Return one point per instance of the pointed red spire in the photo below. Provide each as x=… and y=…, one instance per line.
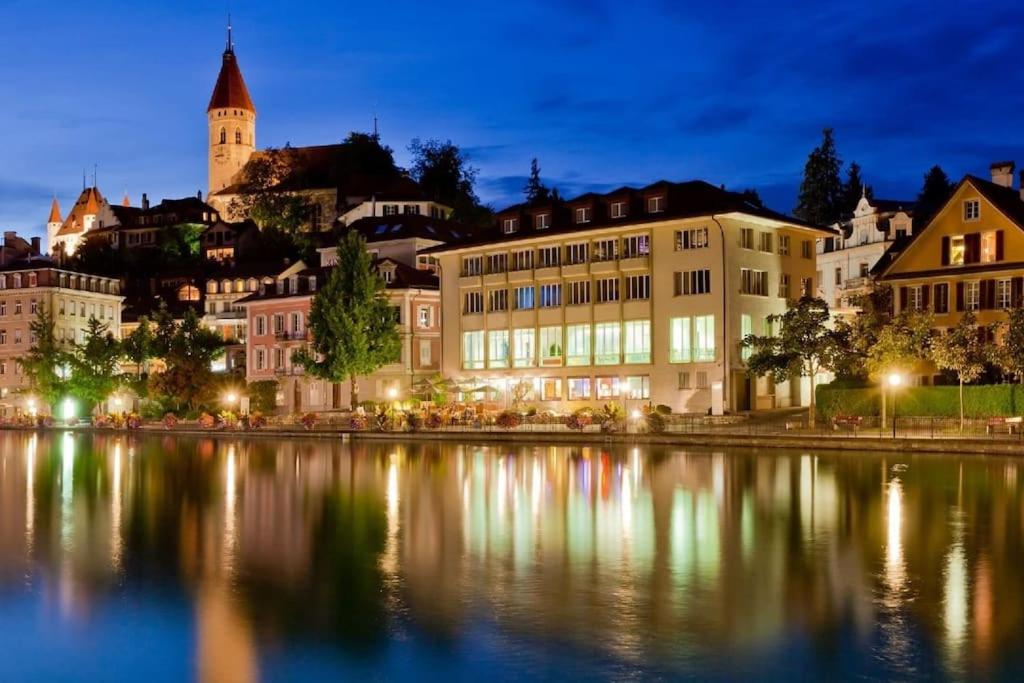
x=230, y=90
x=54, y=212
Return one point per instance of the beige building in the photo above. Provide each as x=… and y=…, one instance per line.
x=28, y=282
x=635, y=296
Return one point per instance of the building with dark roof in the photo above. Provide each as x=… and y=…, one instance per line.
x=632, y=296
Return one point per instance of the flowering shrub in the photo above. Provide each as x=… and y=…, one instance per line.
x=101, y=421
x=612, y=417
x=44, y=421
x=382, y=419
x=206, y=421
x=132, y=420
x=434, y=421
x=358, y=422
x=655, y=421
x=228, y=419
x=256, y=420
x=509, y=419
x=579, y=420
x=413, y=420
x=309, y=421
x=170, y=421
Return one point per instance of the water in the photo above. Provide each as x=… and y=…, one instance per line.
x=164, y=559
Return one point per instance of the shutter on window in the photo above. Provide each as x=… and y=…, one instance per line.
x=990, y=293
x=926, y=291
x=1016, y=291
x=945, y=250
x=959, y=296
x=972, y=248
x=999, y=245
x=903, y=299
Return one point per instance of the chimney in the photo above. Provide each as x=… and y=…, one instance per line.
x=1002, y=173
x=145, y=202
x=36, y=242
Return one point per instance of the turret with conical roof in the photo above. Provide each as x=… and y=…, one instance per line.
x=53, y=224
x=232, y=122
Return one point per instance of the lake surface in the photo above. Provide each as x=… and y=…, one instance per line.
x=164, y=559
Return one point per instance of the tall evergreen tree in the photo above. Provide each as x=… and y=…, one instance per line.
x=354, y=330
x=821, y=192
x=935, y=192
x=535, y=190
x=853, y=189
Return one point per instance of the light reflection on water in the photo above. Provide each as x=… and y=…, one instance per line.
x=253, y=559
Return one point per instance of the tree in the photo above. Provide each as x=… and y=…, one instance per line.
x=863, y=329
x=444, y=173
x=899, y=347
x=962, y=350
x=187, y=349
x=353, y=325
x=804, y=347
x=853, y=189
x=93, y=365
x=821, y=192
x=935, y=192
x=45, y=362
x=1008, y=356
x=752, y=196
x=535, y=190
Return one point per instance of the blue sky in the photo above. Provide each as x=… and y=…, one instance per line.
x=603, y=93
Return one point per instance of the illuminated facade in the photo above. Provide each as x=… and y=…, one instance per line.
x=638, y=295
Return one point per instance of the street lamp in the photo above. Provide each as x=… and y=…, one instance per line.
x=392, y=393
x=230, y=398
x=895, y=380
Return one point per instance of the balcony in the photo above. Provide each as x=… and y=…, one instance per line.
x=303, y=336
x=855, y=283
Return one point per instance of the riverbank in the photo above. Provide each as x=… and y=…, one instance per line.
x=795, y=440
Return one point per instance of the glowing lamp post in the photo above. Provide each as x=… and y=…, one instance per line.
x=895, y=379
x=230, y=399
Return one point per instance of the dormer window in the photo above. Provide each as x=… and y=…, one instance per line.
x=656, y=204
x=510, y=225
x=618, y=209
x=583, y=214
x=972, y=210
x=542, y=221
x=388, y=275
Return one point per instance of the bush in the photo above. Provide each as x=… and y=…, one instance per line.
x=132, y=420
x=413, y=420
x=228, y=419
x=255, y=420
x=579, y=420
x=993, y=400
x=663, y=409
x=612, y=417
x=655, y=421
x=263, y=395
x=509, y=419
x=44, y=421
x=206, y=421
x=435, y=420
x=309, y=421
x=358, y=422
x=101, y=421
x=170, y=421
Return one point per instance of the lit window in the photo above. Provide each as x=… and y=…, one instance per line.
x=972, y=295
x=957, y=250
x=704, y=328
x=638, y=387
x=607, y=387
x=578, y=344
x=638, y=341
x=680, y=350
x=551, y=345
x=473, y=350
x=551, y=389
x=497, y=356
x=607, y=343
x=694, y=238
x=524, y=347
x=579, y=388
x=524, y=298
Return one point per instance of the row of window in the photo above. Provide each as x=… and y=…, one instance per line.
x=582, y=215
x=64, y=280
x=765, y=242
x=578, y=292
x=277, y=320
x=971, y=295
x=975, y=247
x=607, y=249
x=691, y=339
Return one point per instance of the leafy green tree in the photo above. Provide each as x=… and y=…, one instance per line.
x=445, y=174
x=853, y=189
x=263, y=395
x=45, y=363
x=863, y=329
x=962, y=350
x=187, y=349
x=935, y=192
x=535, y=190
x=353, y=326
x=262, y=198
x=93, y=365
x=139, y=346
x=1008, y=356
x=179, y=244
x=805, y=346
x=899, y=347
x=821, y=192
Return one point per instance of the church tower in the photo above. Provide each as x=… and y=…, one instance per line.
x=53, y=225
x=232, y=123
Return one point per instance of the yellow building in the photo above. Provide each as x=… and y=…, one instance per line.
x=634, y=296
x=969, y=257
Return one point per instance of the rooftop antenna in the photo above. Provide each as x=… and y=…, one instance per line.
x=83, y=179
x=231, y=45
x=376, y=129
x=95, y=168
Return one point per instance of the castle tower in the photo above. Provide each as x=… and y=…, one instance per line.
x=232, y=123
x=53, y=225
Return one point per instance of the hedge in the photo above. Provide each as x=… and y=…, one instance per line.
x=992, y=400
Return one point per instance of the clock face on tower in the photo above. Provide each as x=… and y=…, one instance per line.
x=222, y=155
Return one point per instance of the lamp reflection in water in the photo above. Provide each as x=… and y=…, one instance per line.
x=115, y=511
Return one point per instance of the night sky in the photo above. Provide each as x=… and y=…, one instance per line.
x=603, y=93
